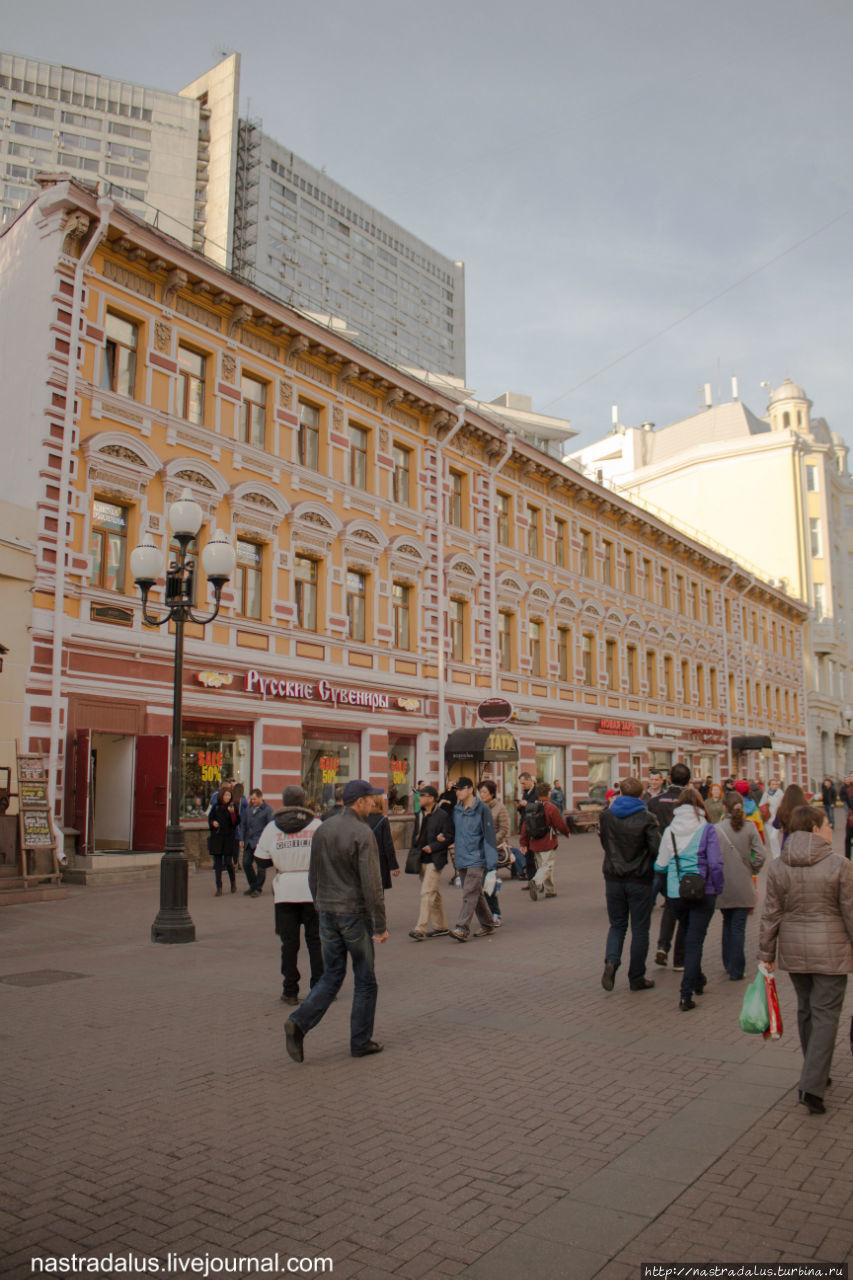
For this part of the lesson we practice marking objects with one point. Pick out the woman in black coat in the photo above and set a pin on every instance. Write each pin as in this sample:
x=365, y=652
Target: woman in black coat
x=379, y=825
x=222, y=841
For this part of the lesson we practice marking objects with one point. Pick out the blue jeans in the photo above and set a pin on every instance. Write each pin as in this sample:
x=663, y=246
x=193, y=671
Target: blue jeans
x=734, y=936
x=520, y=861
x=343, y=935
x=695, y=918
x=628, y=899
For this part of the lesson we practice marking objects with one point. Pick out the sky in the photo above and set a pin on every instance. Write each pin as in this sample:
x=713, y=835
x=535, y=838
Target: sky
x=648, y=195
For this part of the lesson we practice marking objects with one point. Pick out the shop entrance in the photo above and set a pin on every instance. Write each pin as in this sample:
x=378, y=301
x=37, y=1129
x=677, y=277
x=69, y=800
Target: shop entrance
x=121, y=791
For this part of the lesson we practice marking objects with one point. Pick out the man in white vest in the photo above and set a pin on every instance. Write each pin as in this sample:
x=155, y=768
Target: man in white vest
x=286, y=842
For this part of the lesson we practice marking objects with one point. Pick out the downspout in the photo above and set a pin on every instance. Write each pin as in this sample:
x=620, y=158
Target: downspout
x=748, y=586
x=105, y=208
x=806, y=592
x=493, y=552
x=442, y=595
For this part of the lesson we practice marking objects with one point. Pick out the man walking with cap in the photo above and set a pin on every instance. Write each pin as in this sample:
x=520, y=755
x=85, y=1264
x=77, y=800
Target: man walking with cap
x=432, y=837
x=475, y=854
x=346, y=886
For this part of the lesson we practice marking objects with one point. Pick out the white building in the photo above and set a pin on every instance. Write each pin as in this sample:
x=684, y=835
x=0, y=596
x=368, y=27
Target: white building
x=777, y=492
x=186, y=162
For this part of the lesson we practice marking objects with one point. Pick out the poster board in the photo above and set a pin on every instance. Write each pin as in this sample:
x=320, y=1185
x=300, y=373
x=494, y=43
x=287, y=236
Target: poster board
x=36, y=828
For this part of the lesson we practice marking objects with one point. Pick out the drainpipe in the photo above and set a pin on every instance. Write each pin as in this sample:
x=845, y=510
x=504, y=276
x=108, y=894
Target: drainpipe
x=806, y=592
x=748, y=586
x=493, y=552
x=442, y=595
x=105, y=208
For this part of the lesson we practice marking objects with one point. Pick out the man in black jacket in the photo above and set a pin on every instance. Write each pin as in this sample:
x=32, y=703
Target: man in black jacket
x=663, y=807
x=630, y=837
x=433, y=836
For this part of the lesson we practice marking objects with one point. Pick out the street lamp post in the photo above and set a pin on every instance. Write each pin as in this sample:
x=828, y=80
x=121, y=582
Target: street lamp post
x=173, y=922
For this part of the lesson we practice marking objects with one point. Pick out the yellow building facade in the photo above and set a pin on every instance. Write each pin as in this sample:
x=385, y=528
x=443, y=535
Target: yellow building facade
x=371, y=514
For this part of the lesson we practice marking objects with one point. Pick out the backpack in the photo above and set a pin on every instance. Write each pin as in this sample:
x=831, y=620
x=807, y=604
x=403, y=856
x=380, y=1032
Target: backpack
x=537, y=823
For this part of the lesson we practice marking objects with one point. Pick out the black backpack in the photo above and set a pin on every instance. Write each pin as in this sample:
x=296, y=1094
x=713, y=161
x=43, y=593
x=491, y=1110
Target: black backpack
x=536, y=820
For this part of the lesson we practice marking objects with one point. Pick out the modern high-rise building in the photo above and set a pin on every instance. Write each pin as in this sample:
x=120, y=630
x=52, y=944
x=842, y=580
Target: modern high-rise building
x=188, y=164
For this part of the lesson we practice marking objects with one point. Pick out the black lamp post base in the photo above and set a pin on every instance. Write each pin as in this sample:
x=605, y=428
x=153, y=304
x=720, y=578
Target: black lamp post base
x=173, y=922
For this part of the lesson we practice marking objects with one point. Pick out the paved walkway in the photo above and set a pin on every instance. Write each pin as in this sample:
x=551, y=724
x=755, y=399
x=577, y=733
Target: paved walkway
x=521, y=1122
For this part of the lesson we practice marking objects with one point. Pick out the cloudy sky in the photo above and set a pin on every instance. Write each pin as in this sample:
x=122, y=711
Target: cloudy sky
x=648, y=195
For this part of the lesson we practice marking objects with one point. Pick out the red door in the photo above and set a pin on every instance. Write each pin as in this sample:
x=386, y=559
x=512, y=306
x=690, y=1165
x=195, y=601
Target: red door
x=150, y=789
x=82, y=798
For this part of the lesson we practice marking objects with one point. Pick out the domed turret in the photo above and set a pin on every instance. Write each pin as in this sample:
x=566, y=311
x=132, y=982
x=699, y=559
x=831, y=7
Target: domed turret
x=789, y=407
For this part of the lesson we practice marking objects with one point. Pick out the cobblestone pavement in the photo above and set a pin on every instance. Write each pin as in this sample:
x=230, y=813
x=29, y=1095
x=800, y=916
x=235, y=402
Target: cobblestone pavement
x=521, y=1121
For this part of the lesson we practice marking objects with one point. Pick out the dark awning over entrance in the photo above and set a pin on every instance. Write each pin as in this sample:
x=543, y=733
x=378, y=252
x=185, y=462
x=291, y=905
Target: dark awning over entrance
x=756, y=742
x=481, y=743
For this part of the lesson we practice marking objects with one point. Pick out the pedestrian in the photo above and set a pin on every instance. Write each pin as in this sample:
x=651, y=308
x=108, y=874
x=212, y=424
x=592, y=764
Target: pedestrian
x=558, y=798
x=845, y=792
x=222, y=842
x=527, y=787
x=705, y=787
x=378, y=822
x=750, y=808
x=476, y=854
x=663, y=808
x=488, y=793
x=773, y=798
x=807, y=929
x=714, y=806
x=345, y=883
x=431, y=838
x=337, y=804
x=538, y=837
x=793, y=798
x=630, y=837
x=655, y=786
x=829, y=799
x=690, y=846
x=743, y=858
x=252, y=824
x=285, y=843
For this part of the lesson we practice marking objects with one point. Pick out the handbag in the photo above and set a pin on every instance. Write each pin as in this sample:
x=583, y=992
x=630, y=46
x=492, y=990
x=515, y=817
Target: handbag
x=691, y=885
x=504, y=856
x=413, y=862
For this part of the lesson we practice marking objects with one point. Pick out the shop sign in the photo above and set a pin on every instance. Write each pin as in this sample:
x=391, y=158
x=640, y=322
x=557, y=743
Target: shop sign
x=714, y=737
x=329, y=766
x=495, y=711
x=409, y=704
x=322, y=691
x=214, y=679
x=500, y=745
x=623, y=728
x=210, y=763
x=399, y=771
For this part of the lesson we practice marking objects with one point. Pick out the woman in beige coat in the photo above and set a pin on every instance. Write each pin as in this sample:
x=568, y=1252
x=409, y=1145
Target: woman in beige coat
x=808, y=921
x=743, y=857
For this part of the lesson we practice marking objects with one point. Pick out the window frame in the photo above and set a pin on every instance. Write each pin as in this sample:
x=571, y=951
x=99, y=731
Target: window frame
x=503, y=518
x=535, y=628
x=190, y=383
x=300, y=594
x=106, y=535
x=242, y=580
x=401, y=615
x=505, y=645
x=456, y=620
x=248, y=417
x=399, y=472
x=359, y=446
x=352, y=596
x=564, y=650
x=588, y=655
x=534, y=541
x=308, y=433
x=111, y=372
x=455, y=498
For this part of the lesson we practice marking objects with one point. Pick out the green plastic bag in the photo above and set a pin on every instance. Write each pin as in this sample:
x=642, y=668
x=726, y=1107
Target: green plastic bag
x=754, y=1014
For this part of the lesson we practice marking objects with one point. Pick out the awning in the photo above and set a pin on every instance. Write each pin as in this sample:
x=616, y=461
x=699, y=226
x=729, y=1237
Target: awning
x=481, y=743
x=755, y=742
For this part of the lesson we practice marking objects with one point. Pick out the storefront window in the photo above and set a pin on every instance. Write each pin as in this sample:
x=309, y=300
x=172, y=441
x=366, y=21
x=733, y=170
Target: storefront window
x=401, y=771
x=212, y=755
x=327, y=761
x=551, y=765
x=600, y=775
x=660, y=760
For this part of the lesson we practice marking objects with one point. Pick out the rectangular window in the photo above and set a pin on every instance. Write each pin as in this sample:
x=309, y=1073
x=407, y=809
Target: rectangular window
x=505, y=640
x=400, y=608
x=630, y=585
x=358, y=457
x=108, y=545
x=815, y=541
x=665, y=597
x=680, y=603
x=612, y=664
x=247, y=581
x=586, y=544
x=533, y=531
x=607, y=563
x=697, y=603
x=715, y=691
x=118, y=372
x=253, y=411
x=357, y=604
x=648, y=580
x=564, y=646
x=191, y=371
x=668, y=679
x=560, y=543
x=402, y=474
x=309, y=436
x=811, y=478
x=588, y=658
x=686, y=692
x=305, y=582
x=534, y=637
x=454, y=504
x=709, y=606
x=502, y=506
x=819, y=601
x=457, y=630
x=651, y=673
x=633, y=670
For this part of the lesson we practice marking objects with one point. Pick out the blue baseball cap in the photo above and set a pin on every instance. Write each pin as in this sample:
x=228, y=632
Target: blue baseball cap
x=357, y=788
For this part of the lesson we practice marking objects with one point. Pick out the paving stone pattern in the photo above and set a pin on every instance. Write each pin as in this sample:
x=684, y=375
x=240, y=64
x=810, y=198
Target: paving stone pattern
x=521, y=1121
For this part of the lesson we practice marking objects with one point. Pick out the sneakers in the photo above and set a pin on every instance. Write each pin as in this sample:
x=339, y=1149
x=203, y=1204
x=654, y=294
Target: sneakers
x=684, y=1005
x=550, y=893
x=533, y=889
x=459, y=934
x=608, y=976
x=293, y=1037
x=498, y=921
x=372, y=1046
x=645, y=984
x=456, y=882
x=437, y=933
x=485, y=931
x=661, y=957
x=417, y=934
x=678, y=968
